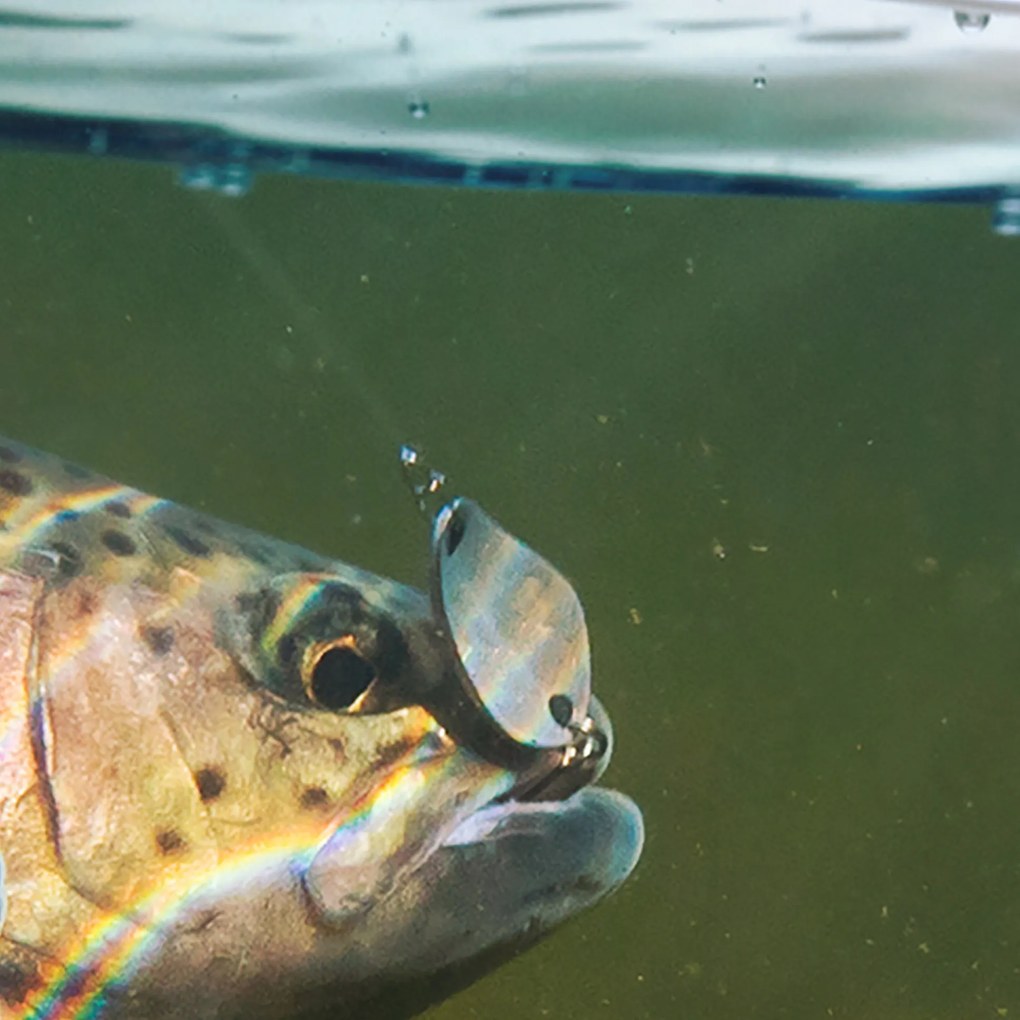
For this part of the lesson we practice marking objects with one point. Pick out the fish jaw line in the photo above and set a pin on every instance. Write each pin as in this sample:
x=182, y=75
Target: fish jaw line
x=508, y=874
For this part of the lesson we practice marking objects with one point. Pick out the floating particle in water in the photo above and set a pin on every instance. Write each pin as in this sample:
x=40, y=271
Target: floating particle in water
x=418, y=108
x=970, y=21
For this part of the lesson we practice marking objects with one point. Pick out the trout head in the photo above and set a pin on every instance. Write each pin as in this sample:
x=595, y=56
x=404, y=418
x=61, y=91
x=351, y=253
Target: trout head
x=238, y=767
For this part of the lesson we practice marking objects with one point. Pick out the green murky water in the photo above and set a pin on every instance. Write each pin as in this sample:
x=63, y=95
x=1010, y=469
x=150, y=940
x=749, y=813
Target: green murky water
x=775, y=444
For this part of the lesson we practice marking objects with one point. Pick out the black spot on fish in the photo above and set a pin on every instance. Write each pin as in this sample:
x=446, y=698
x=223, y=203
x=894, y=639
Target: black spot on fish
x=159, y=639
x=247, y=601
x=69, y=559
x=9, y=456
x=118, y=508
x=169, y=841
x=390, y=754
x=285, y=649
x=118, y=543
x=189, y=543
x=314, y=797
x=256, y=553
x=15, y=482
x=76, y=470
x=19, y=974
x=259, y=607
x=85, y=604
x=211, y=782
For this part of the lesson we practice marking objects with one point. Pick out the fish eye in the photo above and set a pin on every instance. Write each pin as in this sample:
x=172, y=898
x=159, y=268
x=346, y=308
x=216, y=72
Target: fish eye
x=336, y=675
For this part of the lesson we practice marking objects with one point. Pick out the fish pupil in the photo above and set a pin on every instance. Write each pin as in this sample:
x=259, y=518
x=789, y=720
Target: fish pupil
x=339, y=677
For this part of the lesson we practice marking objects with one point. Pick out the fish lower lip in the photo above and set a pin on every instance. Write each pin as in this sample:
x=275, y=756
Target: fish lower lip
x=595, y=830
x=509, y=873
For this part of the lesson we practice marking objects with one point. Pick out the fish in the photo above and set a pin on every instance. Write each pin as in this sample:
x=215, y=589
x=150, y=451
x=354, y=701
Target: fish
x=239, y=778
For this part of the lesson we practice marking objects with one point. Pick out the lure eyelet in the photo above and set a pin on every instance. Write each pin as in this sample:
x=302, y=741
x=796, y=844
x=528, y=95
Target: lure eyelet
x=336, y=676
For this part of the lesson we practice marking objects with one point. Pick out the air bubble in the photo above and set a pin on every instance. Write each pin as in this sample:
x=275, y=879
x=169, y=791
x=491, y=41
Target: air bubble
x=1006, y=218
x=231, y=179
x=969, y=21
x=760, y=81
x=418, y=108
x=99, y=141
x=424, y=482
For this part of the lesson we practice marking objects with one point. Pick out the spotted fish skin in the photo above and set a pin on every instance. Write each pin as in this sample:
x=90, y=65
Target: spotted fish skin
x=183, y=804
x=138, y=746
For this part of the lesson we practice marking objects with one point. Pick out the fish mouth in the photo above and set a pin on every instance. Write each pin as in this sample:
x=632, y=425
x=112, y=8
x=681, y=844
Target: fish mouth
x=504, y=877
x=507, y=875
x=533, y=864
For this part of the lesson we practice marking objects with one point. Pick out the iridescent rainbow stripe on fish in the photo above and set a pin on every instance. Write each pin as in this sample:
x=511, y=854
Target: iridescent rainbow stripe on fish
x=32, y=518
x=299, y=598
x=116, y=945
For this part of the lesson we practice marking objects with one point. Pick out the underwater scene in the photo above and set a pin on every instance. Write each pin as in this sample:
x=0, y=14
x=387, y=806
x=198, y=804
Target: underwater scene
x=769, y=444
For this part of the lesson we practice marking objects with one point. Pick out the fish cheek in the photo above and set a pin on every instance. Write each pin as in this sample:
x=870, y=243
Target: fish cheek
x=163, y=760
x=375, y=851
x=252, y=763
x=268, y=772
x=125, y=807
